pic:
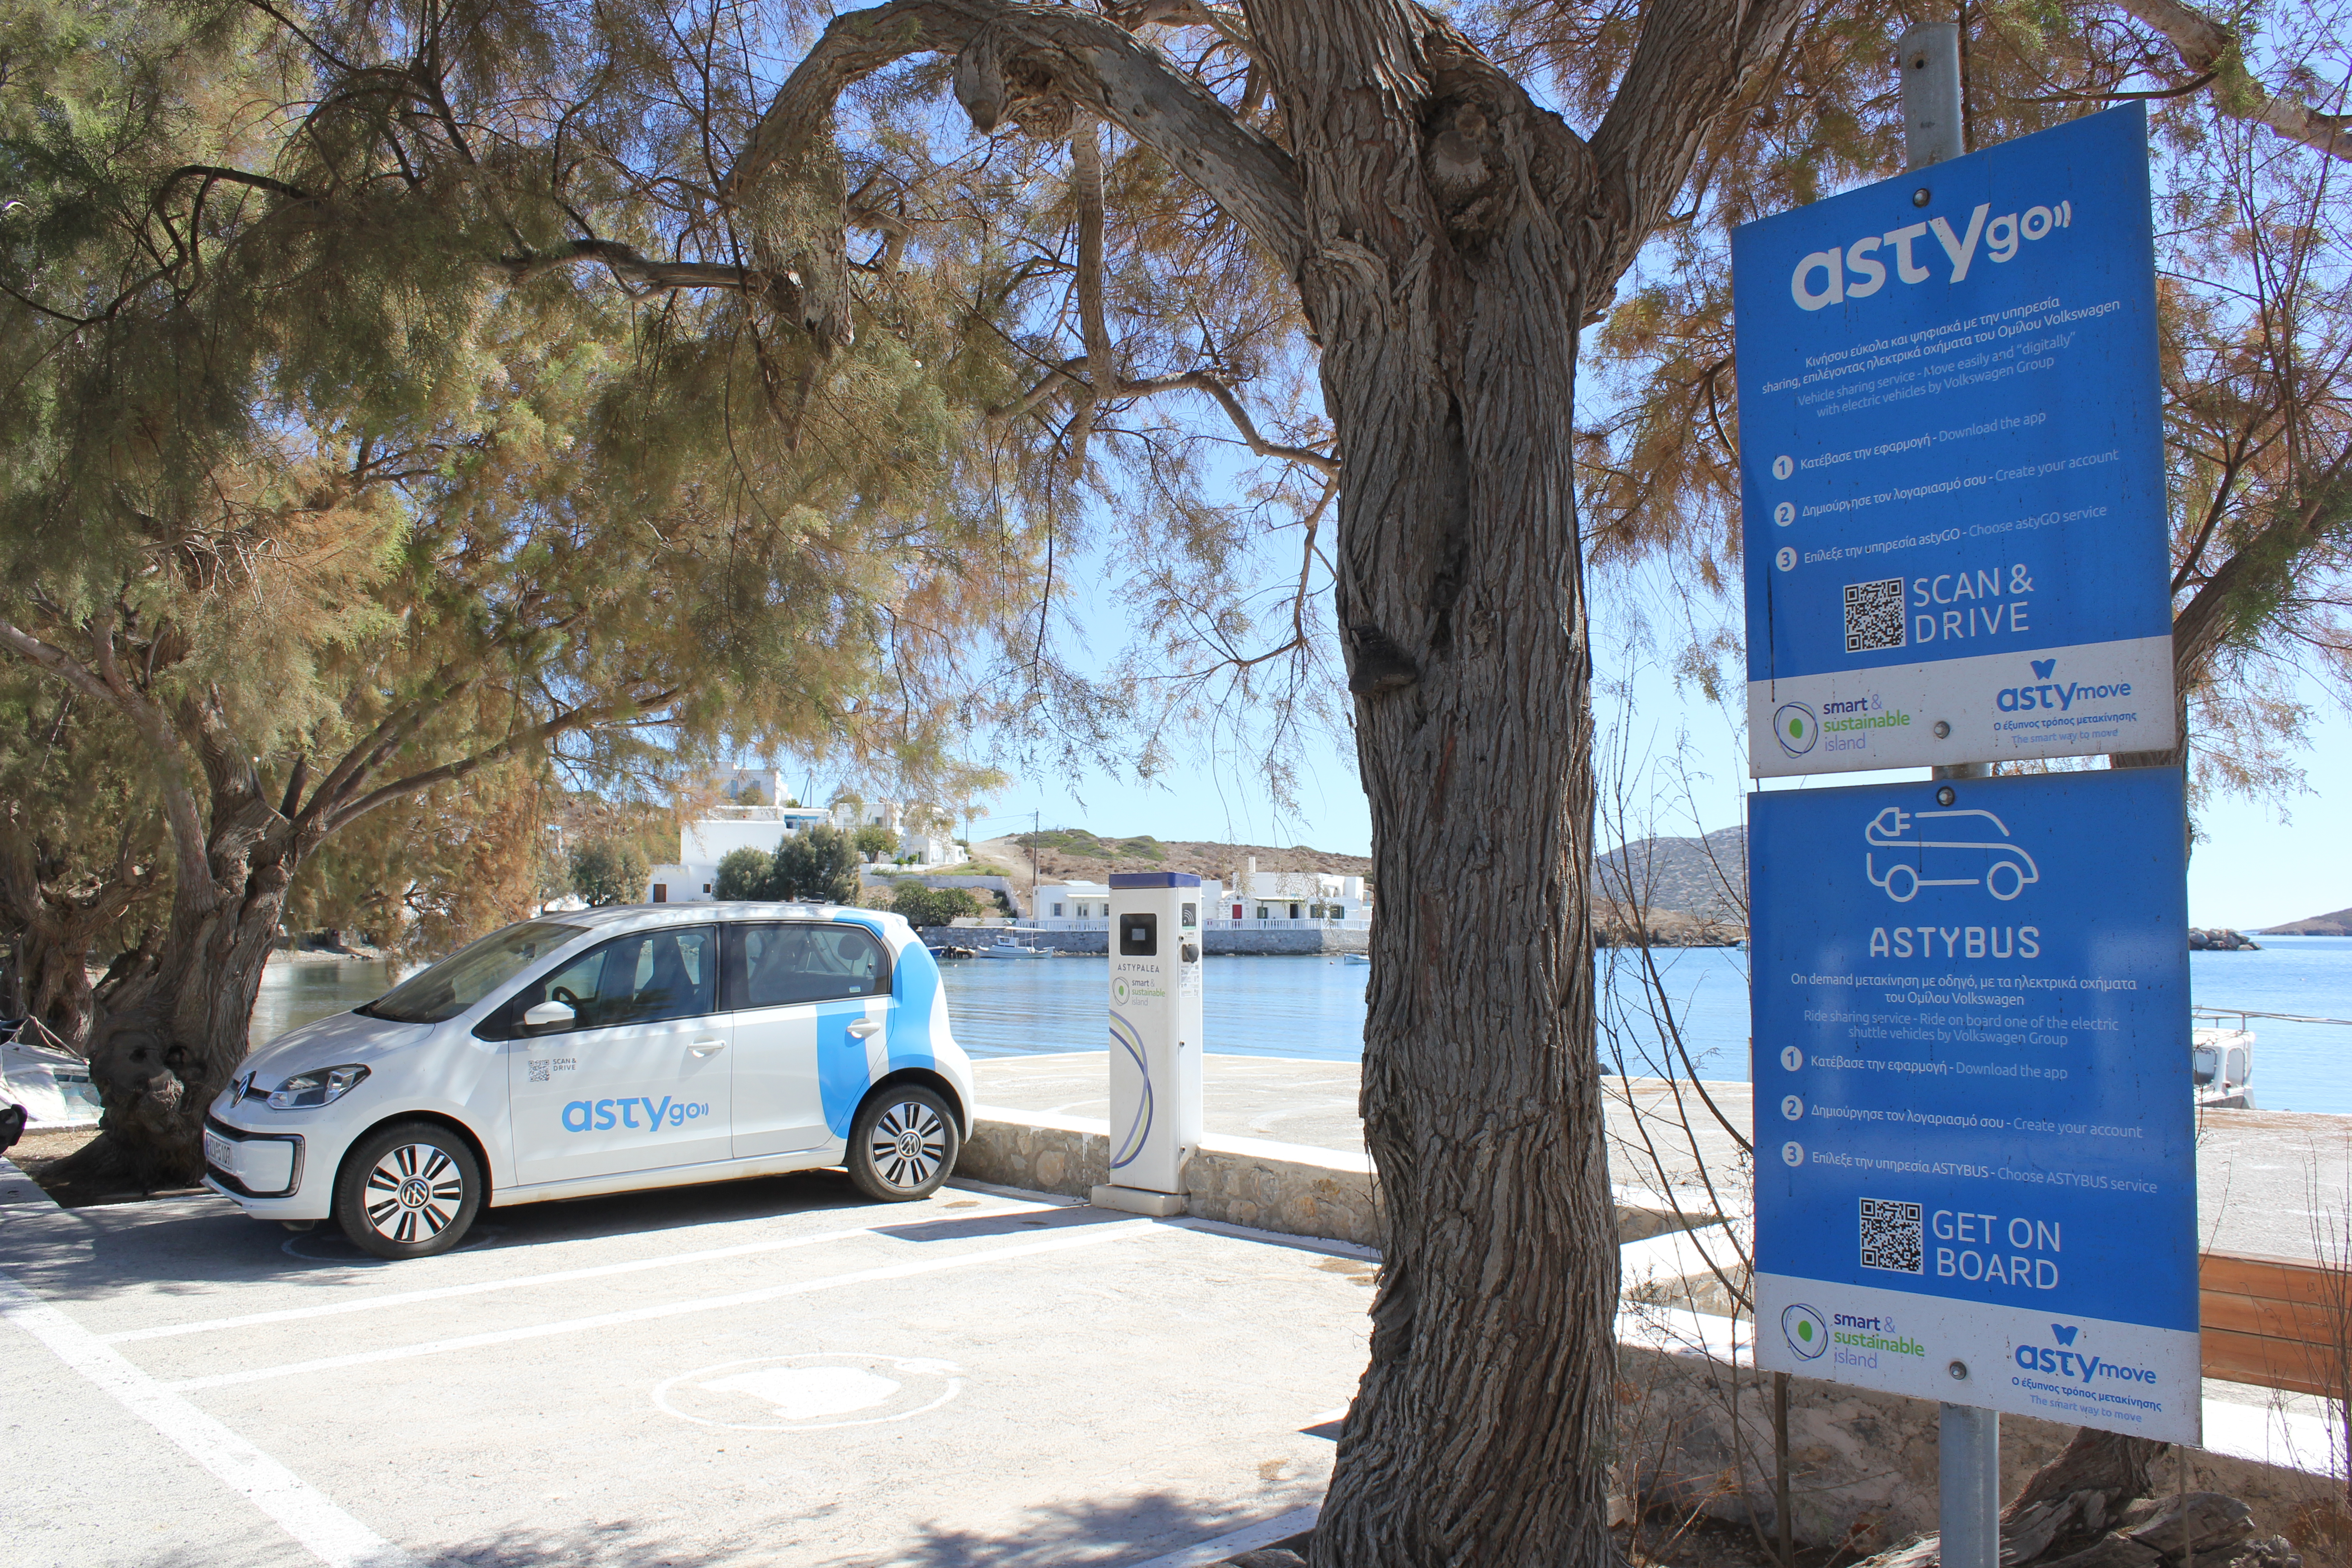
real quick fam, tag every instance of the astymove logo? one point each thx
(2055, 695)
(1806, 1331)
(583, 1115)
(2077, 1366)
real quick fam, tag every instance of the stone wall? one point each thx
(1281, 1187)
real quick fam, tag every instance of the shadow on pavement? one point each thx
(1108, 1533)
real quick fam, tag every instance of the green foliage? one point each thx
(743, 874)
(933, 905)
(874, 840)
(1078, 842)
(819, 866)
(605, 872)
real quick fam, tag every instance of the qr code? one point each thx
(1874, 616)
(1893, 1236)
(541, 1071)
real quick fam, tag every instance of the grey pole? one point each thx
(1967, 1439)
(1929, 57)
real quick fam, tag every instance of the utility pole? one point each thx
(1967, 1439)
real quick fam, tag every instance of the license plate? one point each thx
(219, 1151)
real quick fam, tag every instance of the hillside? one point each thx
(2337, 924)
(1704, 877)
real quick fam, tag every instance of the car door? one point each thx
(639, 1077)
(810, 1006)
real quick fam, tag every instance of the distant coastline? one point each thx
(2337, 924)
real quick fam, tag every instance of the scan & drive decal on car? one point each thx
(582, 1115)
(846, 1065)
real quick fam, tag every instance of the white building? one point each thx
(1072, 906)
(925, 832)
(1298, 896)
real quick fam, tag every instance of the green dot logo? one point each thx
(1118, 992)
(1797, 728)
(1806, 1331)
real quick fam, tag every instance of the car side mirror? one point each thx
(546, 1015)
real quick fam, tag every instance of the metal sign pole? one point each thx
(1968, 1438)
(1929, 56)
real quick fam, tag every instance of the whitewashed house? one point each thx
(1313, 896)
(925, 833)
(1086, 906)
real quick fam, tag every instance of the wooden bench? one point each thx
(2275, 1323)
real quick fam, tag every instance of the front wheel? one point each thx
(902, 1145)
(409, 1190)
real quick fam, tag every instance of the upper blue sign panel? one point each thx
(1951, 463)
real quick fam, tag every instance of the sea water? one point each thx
(1315, 1007)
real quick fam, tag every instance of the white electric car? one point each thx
(604, 1051)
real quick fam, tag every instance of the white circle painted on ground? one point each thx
(812, 1392)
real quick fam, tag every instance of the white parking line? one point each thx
(525, 1281)
(1094, 1235)
(328, 1532)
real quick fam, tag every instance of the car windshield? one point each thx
(470, 973)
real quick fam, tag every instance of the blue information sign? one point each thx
(1951, 467)
(1975, 1174)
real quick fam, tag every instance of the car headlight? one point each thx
(319, 1086)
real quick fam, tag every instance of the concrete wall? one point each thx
(1282, 1187)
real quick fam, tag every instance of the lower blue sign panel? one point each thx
(1976, 1167)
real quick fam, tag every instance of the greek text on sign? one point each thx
(1974, 1130)
(1951, 463)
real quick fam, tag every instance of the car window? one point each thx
(467, 975)
(646, 977)
(779, 964)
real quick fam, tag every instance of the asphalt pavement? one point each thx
(761, 1372)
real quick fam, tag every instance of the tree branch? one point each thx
(1695, 59)
(643, 274)
(1087, 193)
(2209, 48)
(1012, 56)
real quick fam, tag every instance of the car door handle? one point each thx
(863, 1027)
(704, 1047)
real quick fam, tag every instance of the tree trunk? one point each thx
(1447, 302)
(170, 1035)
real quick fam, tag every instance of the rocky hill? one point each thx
(1704, 879)
(2337, 924)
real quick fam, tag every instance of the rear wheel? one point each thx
(409, 1190)
(903, 1145)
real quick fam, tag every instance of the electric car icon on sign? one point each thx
(1940, 842)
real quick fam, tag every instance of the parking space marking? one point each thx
(326, 1532)
(1094, 1236)
(519, 1282)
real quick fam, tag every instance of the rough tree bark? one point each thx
(1448, 237)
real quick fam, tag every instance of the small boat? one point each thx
(1005, 947)
(1355, 958)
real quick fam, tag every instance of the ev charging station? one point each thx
(1155, 1040)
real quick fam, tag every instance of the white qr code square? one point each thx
(1893, 1236)
(541, 1071)
(1874, 616)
